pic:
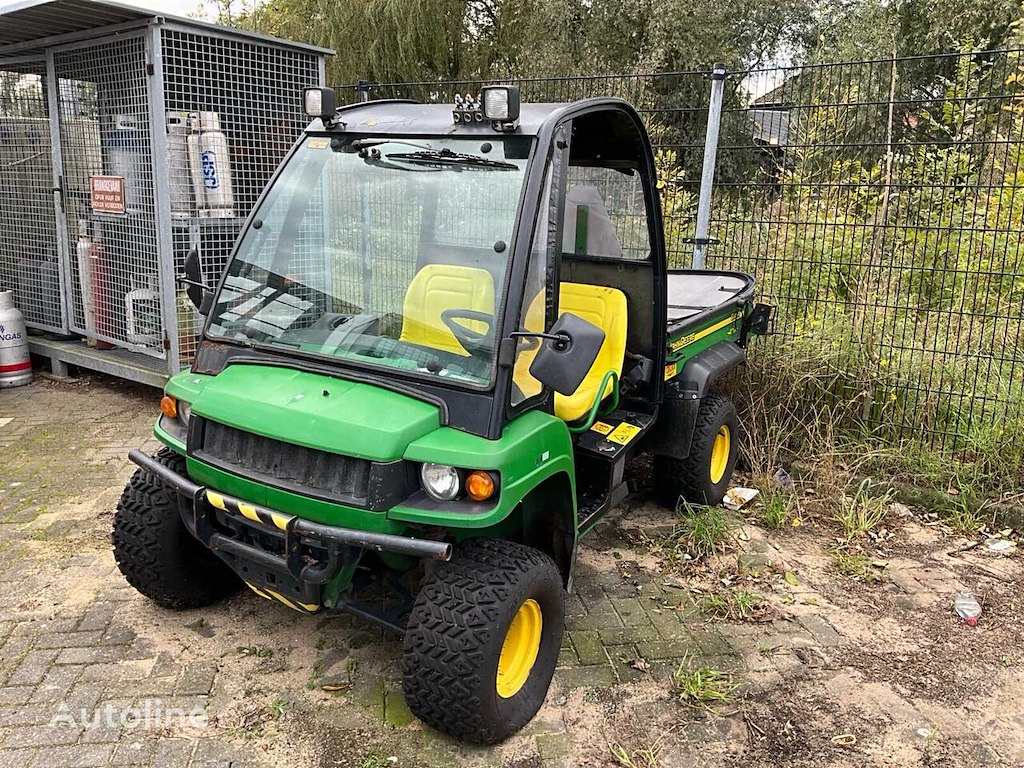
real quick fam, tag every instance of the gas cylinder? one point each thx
(15, 364)
(83, 250)
(211, 167)
(126, 150)
(177, 165)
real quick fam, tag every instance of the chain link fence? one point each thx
(880, 205)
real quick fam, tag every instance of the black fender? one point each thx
(672, 434)
(549, 522)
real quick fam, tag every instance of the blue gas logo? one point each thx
(9, 335)
(208, 159)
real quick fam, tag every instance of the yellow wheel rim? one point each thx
(720, 454)
(520, 649)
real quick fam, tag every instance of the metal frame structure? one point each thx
(187, 120)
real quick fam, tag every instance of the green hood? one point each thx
(316, 411)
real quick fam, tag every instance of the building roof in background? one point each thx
(27, 27)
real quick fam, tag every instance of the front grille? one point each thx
(283, 465)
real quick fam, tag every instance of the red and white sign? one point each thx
(106, 194)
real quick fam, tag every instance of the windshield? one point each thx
(381, 252)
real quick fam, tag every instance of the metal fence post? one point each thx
(707, 173)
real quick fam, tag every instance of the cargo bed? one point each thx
(696, 294)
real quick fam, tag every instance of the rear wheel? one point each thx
(702, 477)
(483, 639)
(157, 554)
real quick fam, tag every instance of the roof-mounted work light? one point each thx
(320, 102)
(501, 106)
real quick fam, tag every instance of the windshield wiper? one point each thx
(446, 157)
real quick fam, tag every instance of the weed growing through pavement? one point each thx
(701, 687)
(646, 756)
(850, 561)
(703, 531)
(733, 605)
(863, 511)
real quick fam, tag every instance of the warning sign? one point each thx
(623, 433)
(106, 194)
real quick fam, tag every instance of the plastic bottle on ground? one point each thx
(967, 608)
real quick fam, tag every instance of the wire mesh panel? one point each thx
(29, 263)
(880, 205)
(233, 109)
(107, 193)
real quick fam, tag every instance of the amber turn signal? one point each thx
(479, 485)
(169, 407)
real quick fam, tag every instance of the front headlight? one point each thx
(174, 417)
(441, 482)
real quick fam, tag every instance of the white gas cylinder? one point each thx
(209, 161)
(15, 364)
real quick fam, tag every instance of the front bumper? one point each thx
(291, 562)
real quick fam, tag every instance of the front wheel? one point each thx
(157, 554)
(482, 640)
(703, 476)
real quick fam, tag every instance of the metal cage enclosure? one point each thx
(127, 140)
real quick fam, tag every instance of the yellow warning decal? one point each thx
(318, 143)
(623, 433)
(670, 371)
(600, 426)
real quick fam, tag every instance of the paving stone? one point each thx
(625, 635)
(554, 748)
(594, 621)
(578, 677)
(78, 756)
(15, 694)
(588, 647)
(68, 639)
(27, 714)
(667, 649)
(56, 684)
(97, 617)
(17, 758)
(631, 611)
(173, 753)
(134, 751)
(41, 736)
(33, 667)
(712, 642)
(196, 679)
(567, 658)
(821, 630)
(94, 655)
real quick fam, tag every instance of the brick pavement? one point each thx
(283, 689)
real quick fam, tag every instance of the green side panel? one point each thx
(312, 410)
(531, 449)
(696, 338)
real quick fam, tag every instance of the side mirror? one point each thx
(196, 289)
(563, 362)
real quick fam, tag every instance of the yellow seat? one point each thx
(438, 287)
(605, 308)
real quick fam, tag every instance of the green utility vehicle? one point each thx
(440, 338)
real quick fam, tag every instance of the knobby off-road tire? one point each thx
(703, 476)
(456, 633)
(157, 554)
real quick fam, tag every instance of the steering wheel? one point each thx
(474, 342)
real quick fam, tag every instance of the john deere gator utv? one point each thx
(440, 337)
